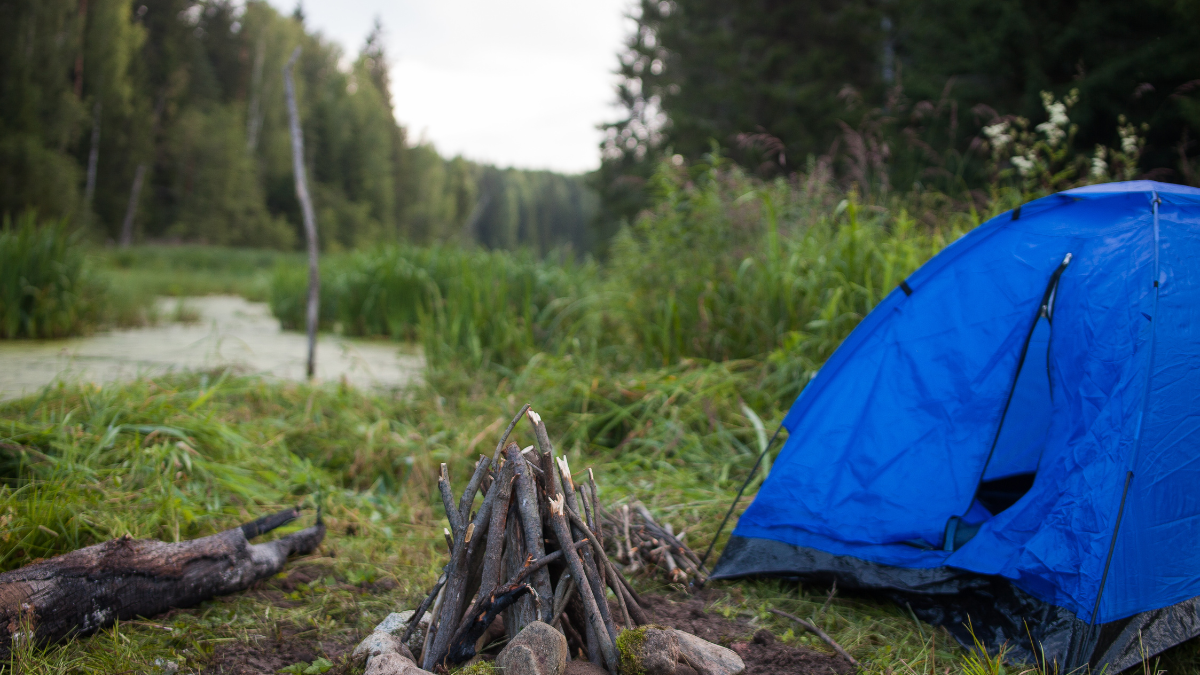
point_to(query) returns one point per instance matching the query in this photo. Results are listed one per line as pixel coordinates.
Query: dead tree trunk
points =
(84, 591)
(89, 189)
(306, 208)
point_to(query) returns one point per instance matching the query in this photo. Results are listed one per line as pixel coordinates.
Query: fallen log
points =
(81, 592)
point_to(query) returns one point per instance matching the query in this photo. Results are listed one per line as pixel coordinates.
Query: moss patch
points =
(629, 646)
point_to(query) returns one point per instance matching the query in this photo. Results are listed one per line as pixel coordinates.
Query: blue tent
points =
(1012, 437)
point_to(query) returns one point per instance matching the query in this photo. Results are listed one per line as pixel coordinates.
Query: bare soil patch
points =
(759, 649)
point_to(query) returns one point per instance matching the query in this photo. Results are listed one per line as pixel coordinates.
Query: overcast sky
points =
(514, 82)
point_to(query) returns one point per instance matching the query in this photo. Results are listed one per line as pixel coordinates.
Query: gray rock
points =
(660, 652)
(578, 667)
(536, 650)
(391, 663)
(707, 658)
(396, 621)
(379, 643)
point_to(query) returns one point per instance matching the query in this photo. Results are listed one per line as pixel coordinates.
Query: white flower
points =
(1099, 166)
(1053, 132)
(998, 135)
(1129, 140)
(1024, 164)
(1058, 114)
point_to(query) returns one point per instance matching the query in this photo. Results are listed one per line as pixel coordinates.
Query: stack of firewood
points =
(533, 551)
(644, 545)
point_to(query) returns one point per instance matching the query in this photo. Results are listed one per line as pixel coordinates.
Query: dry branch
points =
(812, 628)
(85, 590)
(531, 522)
(642, 543)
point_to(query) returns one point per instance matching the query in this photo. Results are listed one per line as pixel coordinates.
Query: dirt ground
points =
(761, 652)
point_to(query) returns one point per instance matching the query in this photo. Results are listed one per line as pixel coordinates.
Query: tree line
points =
(164, 120)
(905, 85)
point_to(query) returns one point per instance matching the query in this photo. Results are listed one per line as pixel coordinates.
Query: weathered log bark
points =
(83, 591)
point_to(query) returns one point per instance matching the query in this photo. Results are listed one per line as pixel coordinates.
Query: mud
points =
(762, 653)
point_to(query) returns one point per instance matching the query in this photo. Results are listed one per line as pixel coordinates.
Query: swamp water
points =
(230, 332)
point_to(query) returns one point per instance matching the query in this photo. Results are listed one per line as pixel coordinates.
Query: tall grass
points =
(46, 287)
(477, 306)
(724, 267)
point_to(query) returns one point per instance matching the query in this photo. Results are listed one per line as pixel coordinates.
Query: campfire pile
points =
(533, 551)
(642, 543)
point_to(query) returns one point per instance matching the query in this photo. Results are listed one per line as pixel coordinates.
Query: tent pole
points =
(753, 470)
(1112, 545)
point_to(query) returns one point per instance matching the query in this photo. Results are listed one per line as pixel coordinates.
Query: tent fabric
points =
(1078, 395)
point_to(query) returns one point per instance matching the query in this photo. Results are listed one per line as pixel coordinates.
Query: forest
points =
(165, 121)
(774, 171)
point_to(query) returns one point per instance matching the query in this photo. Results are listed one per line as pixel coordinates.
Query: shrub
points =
(46, 287)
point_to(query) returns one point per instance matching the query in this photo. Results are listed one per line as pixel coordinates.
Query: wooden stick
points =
(810, 627)
(595, 619)
(531, 522)
(477, 620)
(631, 603)
(566, 586)
(593, 576)
(517, 616)
(456, 581)
(468, 495)
(569, 631)
(456, 523)
(416, 617)
(507, 431)
(609, 573)
(433, 626)
(495, 548)
(544, 445)
(595, 507)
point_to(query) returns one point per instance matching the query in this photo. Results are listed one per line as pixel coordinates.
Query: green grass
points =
(190, 270)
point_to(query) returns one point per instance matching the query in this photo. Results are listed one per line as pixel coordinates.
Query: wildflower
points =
(1099, 165)
(998, 135)
(1024, 164)
(1129, 137)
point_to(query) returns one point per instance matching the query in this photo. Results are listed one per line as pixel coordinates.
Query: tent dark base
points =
(998, 612)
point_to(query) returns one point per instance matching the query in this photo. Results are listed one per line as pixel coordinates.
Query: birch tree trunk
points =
(135, 193)
(306, 207)
(89, 191)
